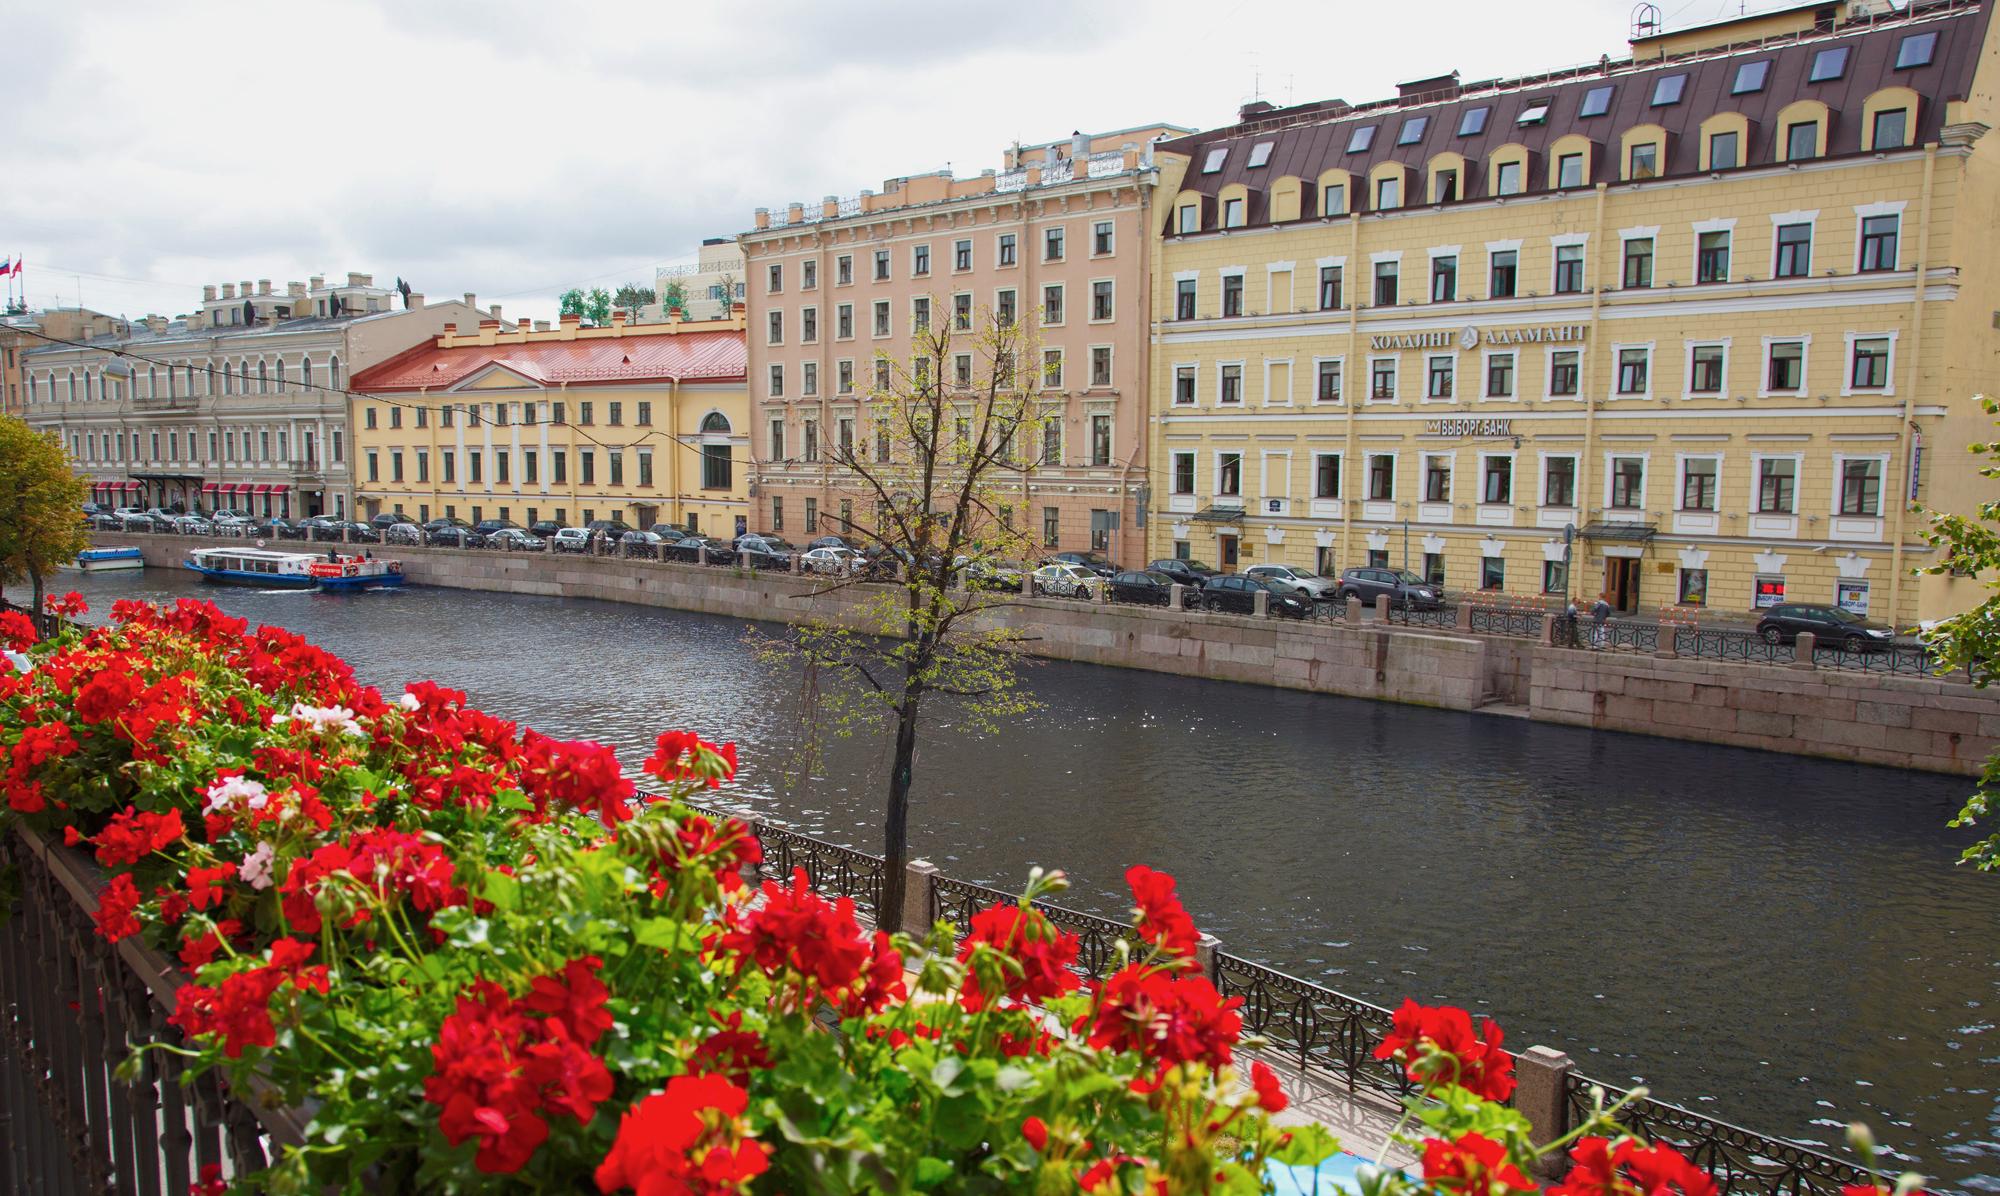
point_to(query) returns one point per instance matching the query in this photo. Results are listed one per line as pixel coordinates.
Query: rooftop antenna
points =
(1645, 21)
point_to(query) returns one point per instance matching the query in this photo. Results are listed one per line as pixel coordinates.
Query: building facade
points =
(711, 286)
(648, 423)
(1064, 232)
(239, 406)
(1692, 328)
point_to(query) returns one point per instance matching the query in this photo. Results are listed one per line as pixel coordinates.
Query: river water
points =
(1784, 943)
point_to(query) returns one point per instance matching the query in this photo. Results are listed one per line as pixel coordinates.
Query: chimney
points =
(521, 325)
(263, 286)
(244, 286)
(415, 302)
(158, 324)
(296, 290)
(494, 311)
(356, 280)
(570, 323)
(1079, 145)
(472, 300)
(229, 290)
(208, 294)
(367, 280)
(618, 318)
(541, 325)
(317, 282)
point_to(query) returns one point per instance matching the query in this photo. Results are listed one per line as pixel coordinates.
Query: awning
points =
(265, 489)
(1614, 529)
(208, 487)
(227, 488)
(133, 488)
(1219, 515)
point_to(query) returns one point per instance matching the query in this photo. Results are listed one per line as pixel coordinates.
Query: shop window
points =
(1768, 592)
(1694, 587)
(1555, 577)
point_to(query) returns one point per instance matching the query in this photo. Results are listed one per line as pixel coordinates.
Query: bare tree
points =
(951, 433)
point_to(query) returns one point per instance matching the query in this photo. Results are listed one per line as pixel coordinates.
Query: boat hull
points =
(106, 560)
(264, 581)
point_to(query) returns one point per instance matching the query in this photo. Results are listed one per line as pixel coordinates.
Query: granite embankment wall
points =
(1906, 722)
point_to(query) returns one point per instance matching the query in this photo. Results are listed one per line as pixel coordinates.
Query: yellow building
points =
(1691, 328)
(645, 423)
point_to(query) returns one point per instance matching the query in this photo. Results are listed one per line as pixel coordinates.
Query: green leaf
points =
(503, 891)
(1310, 1144)
(945, 1072)
(932, 1172)
(1013, 1078)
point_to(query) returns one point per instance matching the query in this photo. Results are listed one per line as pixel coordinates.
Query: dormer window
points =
(1915, 50)
(1828, 65)
(1596, 102)
(1537, 112)
(1750, 77)
(1473, 122)
(1260, 153)
(1667, 90)
(1360, 139)
(1413, 130)
(1216, 157)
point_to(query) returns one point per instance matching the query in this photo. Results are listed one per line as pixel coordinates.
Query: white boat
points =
(293, 570)
(105, 560)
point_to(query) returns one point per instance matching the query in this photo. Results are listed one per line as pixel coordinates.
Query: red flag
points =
(17, 266)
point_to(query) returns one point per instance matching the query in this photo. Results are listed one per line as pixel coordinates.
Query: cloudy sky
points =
(515, 148)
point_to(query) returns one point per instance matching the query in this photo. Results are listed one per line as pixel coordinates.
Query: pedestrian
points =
(1600, 614)
(332, 555)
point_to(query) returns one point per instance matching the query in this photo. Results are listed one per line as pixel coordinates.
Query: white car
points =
(128, 512)
(1295, 579)
(570, 539)
(839, 561)
(1066, 581)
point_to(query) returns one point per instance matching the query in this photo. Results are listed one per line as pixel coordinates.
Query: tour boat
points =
(104, 560)
(293, 570)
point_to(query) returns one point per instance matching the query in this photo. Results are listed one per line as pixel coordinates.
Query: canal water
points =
(1784, 943)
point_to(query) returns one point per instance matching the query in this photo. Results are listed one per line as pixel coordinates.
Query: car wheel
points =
(1212, 604)
(1856, 643)
(1771, 635)
(1346, 594)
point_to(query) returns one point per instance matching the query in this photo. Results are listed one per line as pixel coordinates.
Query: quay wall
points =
(1905, 722)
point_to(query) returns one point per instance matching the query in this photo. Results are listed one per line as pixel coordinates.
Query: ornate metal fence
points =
(1494, 620)
(1912, 660)
(955, 901)
(70, 1006)
(1441, 617)
(1315, 1028)
(1743, 1161)
(1709, 643)
(831, 870)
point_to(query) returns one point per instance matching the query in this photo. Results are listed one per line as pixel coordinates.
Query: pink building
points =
(1065, 230)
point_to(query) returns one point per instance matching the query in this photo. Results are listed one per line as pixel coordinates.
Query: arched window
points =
(715, 421)
(72, 386)
(306, 372)
(263, 376)
(333, 372)
(281, 373)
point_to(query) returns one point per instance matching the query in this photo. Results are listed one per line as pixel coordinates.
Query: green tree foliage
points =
(41, 521)
(594, 306)
(935, 474)
(1970, 640)
(631, 297)
(676, 296)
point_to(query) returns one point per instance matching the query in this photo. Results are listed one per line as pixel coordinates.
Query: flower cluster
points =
(1438, 1042)
(815, 949)
(688, 1139)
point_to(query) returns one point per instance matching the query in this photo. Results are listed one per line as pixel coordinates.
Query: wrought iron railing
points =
(1742, 1161)
(1611, 635)
(1315, 1028)
(1334, 611)
(1913, 660)
(1713, 643)
(1442, 617)
(955, 901)
(1495, 620)
(832, 870)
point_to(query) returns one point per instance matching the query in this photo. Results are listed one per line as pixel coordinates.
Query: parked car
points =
(274, 528)
(999, 576)
(764, 552)
(1831, 626)
(445, 521)
(1149, 588)
(1083, 560)
(514, 539)
(1187, 572)
(337, 529)
(387, 520)
(641, 544)
(1237, 593)
(847, 542)
(231, 518)
(1403, 587)
(403, 533)
(545, 528)
(1067, 581)
(612, 528)
(455, 537)
(192, 525)
(570, 539)
(137, 523)
(160, 513)
(690, 548)
(838, 560)
(669, 532)
(1296, 579)
(108, 522)
(486, 527)
(124, 512)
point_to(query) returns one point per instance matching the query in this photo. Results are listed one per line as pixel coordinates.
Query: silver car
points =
(1292, 579)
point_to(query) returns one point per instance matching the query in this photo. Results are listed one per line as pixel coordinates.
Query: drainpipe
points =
(1357, 278)
(1912, 356)
(674, 445)
(1605, 260)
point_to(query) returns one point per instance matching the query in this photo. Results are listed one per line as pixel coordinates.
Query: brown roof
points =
(717, 356)
(1314, 137)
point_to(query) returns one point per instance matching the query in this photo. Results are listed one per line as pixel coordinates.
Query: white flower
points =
(409, 702)
(21, 663)
(256, 869)
(322, 717)
(231, 789)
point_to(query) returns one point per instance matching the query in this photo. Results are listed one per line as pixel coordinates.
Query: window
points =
(1722, 153)
(808, 278)
(882, 316)
(1184, 473)
(777, 390)
(1382, 477)
(1569, 170)
(1787, 370)
(1445, 189)
(1444, 279)
(961, 255)
(1051, 525)
(1870, 369)
(1628, 483)
(1382, 380)
(615, 457)
(1892, 129)
(1184, 383)
(1500, 376)
(1801, 140)
(1712, 257)
(1232, 213)
(1638, 263)
(962, 371)
(1507, 179)
(1007, 249)
(1569, 269)
(1492, 573)
(1473, 122)
(1667, 90)
(1232, 385)
(1861, 487)
(843, 373)
(368, 417)
(1504, 267)
(920, 313)
(1705, 367)
(1536, 112)
(777, 440)
(1216, 157)
(1775, 478)
(1559, 482)
(1878, 242)
(1596, 102)
(843, 269)
(1633, 369)
(1232, 294)
(1260, 154)
(1329, 288)
(1694, 587)
(396, 464)
(775, 333)
(809, 378)
(1052, 368)
(774, 278)
(809, 431)
(1101, 238)
(1439, 377)
(1915, 50)
(1003, 311)
(1100, 299)
(717, 468)
(1498, 480)
(1828, 65)
(1698, 475)
(1333, 199)
(1100, 365)
(1100, 440)
(1229, 474)
(559, 466)
(1385, 283)
(1052, 244)
(1052, 305)
(1794, 251)
(777, 514)
(1565, 372)
(843, 322)
(1750, 77)
(1326, 475)
(1052, 441)
(1360, 139)
(961, 312)
(1184, 299)
(1645, 160)
(529, 473)
(586, 467)
(1437, 479)
(1189, 217)
(617, 413)
(1326, 385)
(374, 466)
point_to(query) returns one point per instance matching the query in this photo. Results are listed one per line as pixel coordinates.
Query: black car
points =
(613, 529)
(689, 550)
(445, 521)
(1188, 573)
(1083, 560)
(387, 520)
(643, 544)
(454, 537)
(486, 527)
(765, 552)
(1148, 587)
(1238, 594)
(1404, 588)
(1831, 626)
(544, 528)
(836, 542)
(669, 532)
(353, 533)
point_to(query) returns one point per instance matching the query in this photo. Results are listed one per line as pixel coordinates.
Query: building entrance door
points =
(1225, 552)
(1621, 583)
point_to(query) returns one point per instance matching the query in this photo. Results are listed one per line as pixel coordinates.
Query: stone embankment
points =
(1902, 721)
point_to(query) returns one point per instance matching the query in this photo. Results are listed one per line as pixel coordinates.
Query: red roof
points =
(717, 356)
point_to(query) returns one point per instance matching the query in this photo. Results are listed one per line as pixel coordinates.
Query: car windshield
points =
(1843, 616)
(1408, 578)
(1302, 573)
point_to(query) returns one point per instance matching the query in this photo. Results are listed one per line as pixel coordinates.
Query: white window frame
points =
(1862, 211)
(1764, 390)
(1687, 371)
(1757, 460)
(1395, 456)
(1090, 381)
(1424, 460)
(1092, 317)
(1809, 218)
(1062, 369)
(1566, 241)
(1284, 400)
(1194, 474)
(1215, 460)
(1063, 289)
(1111, 252)
(1174, 374)
(971, 253)
(814, 309)
(1681, 460)
(1652, 374)
(997, 239)
(1242, 399)
(884, 308)
(1549, 373)
(1429, 359)
(1723, 225)
(1339, 359)
(1223, 275)
(1847, 364)
(1339, 473)
(1513, 478)
(1840, 461)
(1486, 357)
(1396, 377)
(1431, 255)
(1645, 478)
(1542, 479)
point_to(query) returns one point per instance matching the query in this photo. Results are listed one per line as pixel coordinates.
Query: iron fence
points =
(1609, 636)
(1330, 612)
(1494, 620)
(1741, 1160)
(1442, 617)
(1913, 660)
(1710, 643)
(831, 870)
(1315, 1028)
(956, 901)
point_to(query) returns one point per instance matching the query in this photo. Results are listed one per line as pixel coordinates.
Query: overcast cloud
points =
(516, 148)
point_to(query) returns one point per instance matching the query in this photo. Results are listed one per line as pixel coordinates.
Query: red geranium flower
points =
(1270, 1094)
(17, 631)
(1474, 1165)
(575, 1001)
(1036, 1131)
(115, 903)
(582, 775)
(69, 606)
(685, 756)
(133, 834)
(795, 930)
(211, 1182)
(731, 1052)
(106, 695)
(1168, 1018)
(1162, 920)
(684, 1140)
(1458, 1056)
(1029, 939)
